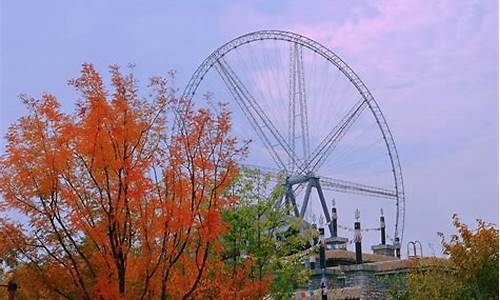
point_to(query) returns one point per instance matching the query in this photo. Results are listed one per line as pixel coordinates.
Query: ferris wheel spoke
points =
(350, 187)
(254, 122)
(259, 120)
(328, 144)
(297, 105)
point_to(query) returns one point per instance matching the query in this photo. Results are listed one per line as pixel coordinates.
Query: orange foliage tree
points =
(120, 199)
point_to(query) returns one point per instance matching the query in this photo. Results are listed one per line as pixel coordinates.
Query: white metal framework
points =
(292, 153)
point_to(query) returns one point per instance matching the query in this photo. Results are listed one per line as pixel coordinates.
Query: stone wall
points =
(369, 281)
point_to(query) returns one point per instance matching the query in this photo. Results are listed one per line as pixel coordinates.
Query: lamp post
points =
(322, 262)
(358, 237)
(334, 219)
(382, 227)
(397, 244)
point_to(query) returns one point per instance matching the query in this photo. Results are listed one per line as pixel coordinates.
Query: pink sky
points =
(431, 65)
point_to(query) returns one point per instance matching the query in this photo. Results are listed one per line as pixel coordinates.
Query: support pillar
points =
(359, 254)
(311, 182)
(397, 244)
(357, 238)
(334, 222)
(382, 230)
(322, 261)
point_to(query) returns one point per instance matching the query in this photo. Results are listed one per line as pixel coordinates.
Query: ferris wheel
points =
(309, 117)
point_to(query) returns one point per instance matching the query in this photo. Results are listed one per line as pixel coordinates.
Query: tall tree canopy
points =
(121, 198)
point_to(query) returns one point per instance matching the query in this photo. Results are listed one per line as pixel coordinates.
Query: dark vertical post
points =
(322, 257)
(334, 222)
(382, 230)
(322, 262)
(312, 265)
(397, 245)
(357, 240)
(11, 289)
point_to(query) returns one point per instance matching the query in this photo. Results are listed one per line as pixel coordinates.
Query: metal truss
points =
(305, 164)
(345, 186)
(312, 182)
(297, 105)
(261, 123)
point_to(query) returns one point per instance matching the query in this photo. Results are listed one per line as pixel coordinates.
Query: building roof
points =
(392, 265)
(350, 257)
(345, 293)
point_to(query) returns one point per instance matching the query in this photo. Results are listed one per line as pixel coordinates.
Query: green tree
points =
(270, 237)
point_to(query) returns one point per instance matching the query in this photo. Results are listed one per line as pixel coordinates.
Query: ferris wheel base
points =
(312, 182)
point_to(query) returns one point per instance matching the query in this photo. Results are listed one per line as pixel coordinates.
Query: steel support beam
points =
(312, 182)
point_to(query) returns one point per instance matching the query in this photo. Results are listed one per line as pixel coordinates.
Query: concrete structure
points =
(367, 281)
(343, 274)
(386, 250)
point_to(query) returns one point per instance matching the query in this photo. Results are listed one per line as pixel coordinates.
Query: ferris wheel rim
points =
(287, 36)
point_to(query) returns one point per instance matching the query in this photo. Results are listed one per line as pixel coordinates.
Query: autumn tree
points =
(470, 272)
(120, 199)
